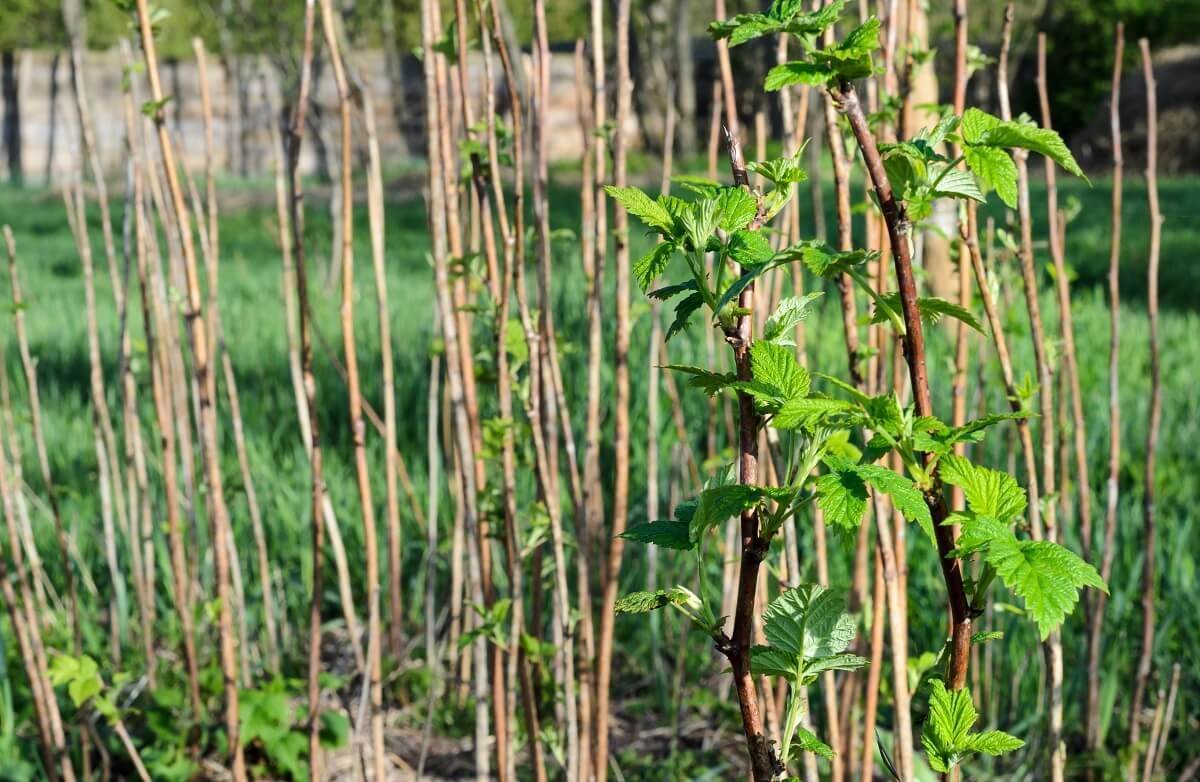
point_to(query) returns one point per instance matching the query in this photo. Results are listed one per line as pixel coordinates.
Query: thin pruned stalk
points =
(1146, 656)
(39, 436)
(201, 360)
(1099, 600)
(376, 221)
(161, 390)
(463, 442)
(519, 672)
(496, 672)
(620, 504)
(1049, 526)
(1154, 762)
(23, 615)
(295, 136)
(357, 425)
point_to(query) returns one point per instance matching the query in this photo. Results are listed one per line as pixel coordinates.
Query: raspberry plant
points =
(835, 437)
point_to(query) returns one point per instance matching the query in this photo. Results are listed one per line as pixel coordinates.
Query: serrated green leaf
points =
(996, 170)
(798, 72)
(954, 183)
(780, 171)
(907, 498)
(834, 662)
(946, 735)
(643, 207)
(736, 208)
(742, 28)
(699, 222)
(842, 494)
(807, 741)
(651, 265)
(668, 534)
(749, 248)
(1041, 140)
(776, 366)
(992, 742)
(645, 602)
(719, 503)
(711, 383)
(702, 186)
(988, 492)
(765, 661)
(790, 312)
(670, 291)
(932, 309)
(809, 413)
(976, 533)
(683, 313)
(1045, 575)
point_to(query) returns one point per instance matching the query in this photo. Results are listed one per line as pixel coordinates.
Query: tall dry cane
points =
(357, 425)
(621, 444)
(1097, 603)
(23, 615)
(218, 513)
(463, 442)
(1146, 658)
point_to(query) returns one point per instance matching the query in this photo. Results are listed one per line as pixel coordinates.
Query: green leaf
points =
(932, 309)
(809, 413)
(975, 124)
(702, 186)
(671, 291)
(749, 248)
(992, 742)
(711, 383)
(742, 28)
(976, 533)
(932, 436)
(954, 183)
(653, 264)
(946, 734)
(797, 72)
(1026, 136)
(996, 170)
(842, 494)
(683, 313)
(907, 498)
(988, 492)
(809, 621)
(790, 312)
(645, 602)
(646, 209)
(765, 661)
(668, 534)
(834, 662)
(736, 208)
(776, 366)
(719, 503)
(1045, 575)
(781, 171)
(806, 741)
(699, 222)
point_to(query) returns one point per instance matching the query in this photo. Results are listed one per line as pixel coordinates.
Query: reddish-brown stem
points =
(914, 352)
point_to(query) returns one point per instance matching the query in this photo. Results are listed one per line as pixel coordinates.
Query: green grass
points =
(252, 313)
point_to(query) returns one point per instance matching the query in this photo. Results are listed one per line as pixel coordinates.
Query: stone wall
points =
(47, 125)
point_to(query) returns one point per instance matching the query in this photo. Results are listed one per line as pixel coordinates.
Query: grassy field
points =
(252, 312)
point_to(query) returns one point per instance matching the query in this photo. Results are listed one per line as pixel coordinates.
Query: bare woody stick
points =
(621, 418)
(1096, 615)
(1146, 659)
(357, 426)
(39, 437)
(295, 136)
(23, 615)
(218, 513)
(461, 421)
